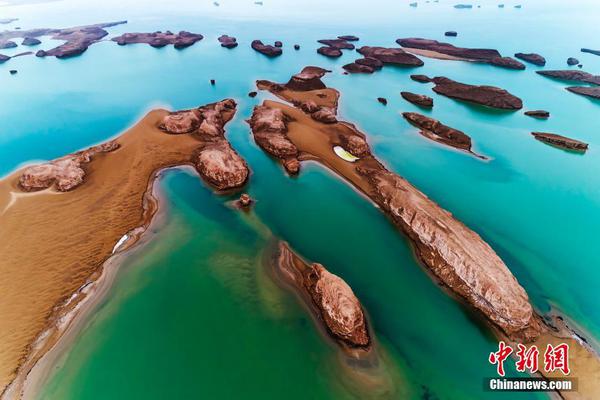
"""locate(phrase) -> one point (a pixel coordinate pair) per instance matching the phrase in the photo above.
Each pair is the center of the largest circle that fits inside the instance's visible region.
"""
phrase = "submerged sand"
(53, 244)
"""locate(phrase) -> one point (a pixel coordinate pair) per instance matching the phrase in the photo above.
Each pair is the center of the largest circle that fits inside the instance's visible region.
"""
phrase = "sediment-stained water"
(192, 315)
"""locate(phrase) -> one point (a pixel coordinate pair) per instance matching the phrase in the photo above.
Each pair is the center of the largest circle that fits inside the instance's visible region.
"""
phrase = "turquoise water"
(536, 205)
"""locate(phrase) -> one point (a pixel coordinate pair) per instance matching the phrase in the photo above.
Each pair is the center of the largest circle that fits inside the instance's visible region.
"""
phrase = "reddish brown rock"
(65, 173)
(532, 58)
(436, 131)
(490, 96)
(418, 99)
(370, 62)
(355, 68)
(420, 78)
(572, 75)
(266, 49)
(228, 42)
(351, 38)
(329, 51)
(330, 298)
(221, 166)
(392, 56)
(309, 106)
(507, 62)
(560, 141)
(324, 115)
(308, 79)
(159, 39)
(593, 92)
(337, 43)
(181, 122)
(269, 128)
(77, 40)
(356, 145)
(245, 201)
(449, 49)
(538, 114)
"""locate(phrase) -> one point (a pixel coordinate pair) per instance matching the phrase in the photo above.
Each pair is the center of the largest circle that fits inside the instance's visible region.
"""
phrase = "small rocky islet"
(560, 141)
(159, 39)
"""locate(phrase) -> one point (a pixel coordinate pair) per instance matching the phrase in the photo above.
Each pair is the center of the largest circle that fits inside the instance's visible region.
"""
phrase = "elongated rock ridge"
(331, 300)
(572, 75)
(489, 96)
(438, 132)
(560, 141)
(593, 92)
(179, 40)
(456, 255)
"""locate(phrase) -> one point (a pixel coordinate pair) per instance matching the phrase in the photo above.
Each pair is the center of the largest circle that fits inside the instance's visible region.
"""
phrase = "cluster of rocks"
(214, 159)
(333, 47)
(267, 49)
(560, 141)
(329, 296)
(374, 58)
(65, 173)
(159, 39)
(228, 42)
(490, 56)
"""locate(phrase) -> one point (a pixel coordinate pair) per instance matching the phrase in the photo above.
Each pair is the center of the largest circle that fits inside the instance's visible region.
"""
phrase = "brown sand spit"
(454, 254)
(53, 243)
(330, 298)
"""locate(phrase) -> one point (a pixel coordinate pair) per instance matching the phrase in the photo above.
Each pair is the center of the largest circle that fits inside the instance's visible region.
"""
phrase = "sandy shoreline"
(55, 243)
(28, 385)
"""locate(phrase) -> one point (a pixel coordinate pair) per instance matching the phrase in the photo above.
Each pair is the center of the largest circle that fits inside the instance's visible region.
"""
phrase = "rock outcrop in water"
(490, 96)
(590, 51)
(9, 44)
(308, 79)
(572, 61)
(572, 75)
(435, 49)
(532, 58)
(438, 132)
(349, 38)
(418, 99)
(4, 58)
(77, 40)
(560, 141)
(266, 49)
(29, 41)
(391, 56)
(457, 256)
(593, 92)
(65, 173)
(331, 300)
(159, 39)
(214, 159)
(333, 47)
(329, 51)
(538, 114)
(420, 78)
(269, 128)
(227, 41)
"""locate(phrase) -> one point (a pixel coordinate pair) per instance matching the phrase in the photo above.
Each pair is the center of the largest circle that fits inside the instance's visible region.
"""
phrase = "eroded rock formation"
(490, 96)
(391, 56)
(593, 92)
(227, 41)
(329, 297)
(65, 173)
(532, 58)
(159, 39)
(560, 141)
(456, 255)
(418, 99)
(329, 51)
(572, 75)
(420, 78)
(449, 49)
(266, 49)
(507, 62)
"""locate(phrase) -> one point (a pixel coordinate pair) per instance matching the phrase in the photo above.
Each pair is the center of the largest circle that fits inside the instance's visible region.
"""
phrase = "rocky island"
(330, 299)
(266, 49)
(489, 96)
(417, 99)
(590, 51)
(592, 92)
(572, 75)
(532, 58)
(538, 113)
(560, 141)
(447, 51)
(103, 194)
(456, 255)
(438, 132)
(159, 39)
(227, 41)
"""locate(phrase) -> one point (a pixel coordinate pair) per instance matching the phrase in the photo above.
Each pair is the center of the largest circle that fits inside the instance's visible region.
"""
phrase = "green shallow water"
(191, 315)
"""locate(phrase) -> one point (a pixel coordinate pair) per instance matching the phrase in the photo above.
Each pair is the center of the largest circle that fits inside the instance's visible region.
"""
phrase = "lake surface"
(194, 315)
